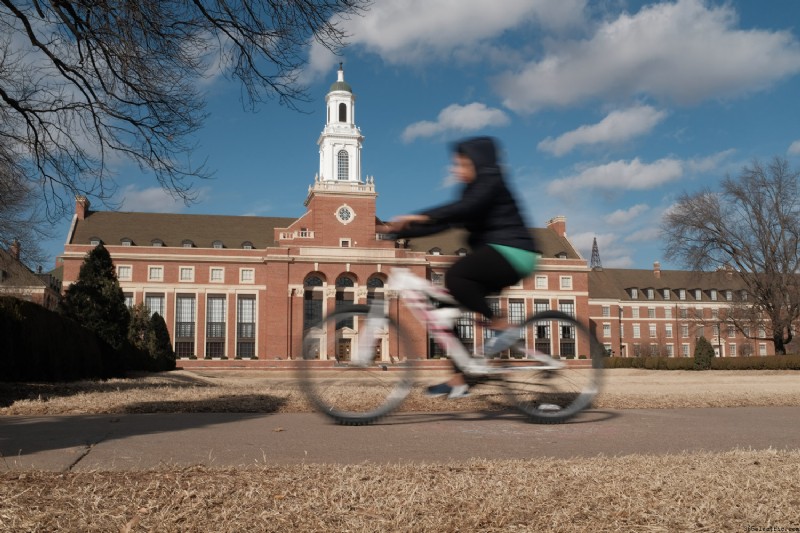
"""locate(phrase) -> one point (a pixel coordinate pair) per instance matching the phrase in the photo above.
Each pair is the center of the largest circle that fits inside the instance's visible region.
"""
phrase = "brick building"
(233, 287)
(18, 281)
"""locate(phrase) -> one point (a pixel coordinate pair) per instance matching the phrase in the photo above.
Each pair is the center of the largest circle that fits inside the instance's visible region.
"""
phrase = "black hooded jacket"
(486, 208)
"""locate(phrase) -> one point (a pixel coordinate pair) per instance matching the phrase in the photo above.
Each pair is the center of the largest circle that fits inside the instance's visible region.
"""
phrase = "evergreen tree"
(159, 345)
(703, 353)
(96, 300)
(139, 326)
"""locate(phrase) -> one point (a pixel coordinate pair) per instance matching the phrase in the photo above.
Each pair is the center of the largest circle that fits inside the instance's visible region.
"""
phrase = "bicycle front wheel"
(551, 389)
(367, 378)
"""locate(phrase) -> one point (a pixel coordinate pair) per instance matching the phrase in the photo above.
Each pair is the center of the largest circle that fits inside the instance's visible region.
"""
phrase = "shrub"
(703, 354)
(159, 345)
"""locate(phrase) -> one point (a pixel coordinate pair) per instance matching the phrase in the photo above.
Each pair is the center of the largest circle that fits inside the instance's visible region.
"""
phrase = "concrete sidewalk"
(127, 442)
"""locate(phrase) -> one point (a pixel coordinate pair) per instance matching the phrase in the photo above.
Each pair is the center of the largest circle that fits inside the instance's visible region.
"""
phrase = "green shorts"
(523, 261)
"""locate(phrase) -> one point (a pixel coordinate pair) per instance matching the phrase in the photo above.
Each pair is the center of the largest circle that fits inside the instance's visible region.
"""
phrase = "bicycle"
(363, 387)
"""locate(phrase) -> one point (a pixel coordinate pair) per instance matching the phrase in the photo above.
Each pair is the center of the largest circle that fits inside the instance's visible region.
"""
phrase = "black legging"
(473, 277)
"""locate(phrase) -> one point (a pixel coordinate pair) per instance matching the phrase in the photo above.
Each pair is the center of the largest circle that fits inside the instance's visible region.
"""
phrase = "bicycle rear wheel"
(551, 390)
(361, 386)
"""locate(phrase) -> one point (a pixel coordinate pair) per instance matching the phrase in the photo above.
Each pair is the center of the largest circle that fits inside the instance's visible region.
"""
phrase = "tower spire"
(595, 262)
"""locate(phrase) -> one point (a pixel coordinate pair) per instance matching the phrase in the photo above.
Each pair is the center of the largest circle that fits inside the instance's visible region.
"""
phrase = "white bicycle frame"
(416, 293)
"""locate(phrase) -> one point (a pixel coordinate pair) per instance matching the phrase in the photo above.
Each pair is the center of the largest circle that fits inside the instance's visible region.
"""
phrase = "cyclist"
(502, 248)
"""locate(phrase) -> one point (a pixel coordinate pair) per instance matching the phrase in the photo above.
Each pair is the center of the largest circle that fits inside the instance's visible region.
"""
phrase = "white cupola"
(340, 141)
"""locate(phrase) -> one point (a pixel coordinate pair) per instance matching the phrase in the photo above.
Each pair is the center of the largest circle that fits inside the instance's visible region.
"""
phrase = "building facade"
(250, 288)
(18, 281)
(234, 287)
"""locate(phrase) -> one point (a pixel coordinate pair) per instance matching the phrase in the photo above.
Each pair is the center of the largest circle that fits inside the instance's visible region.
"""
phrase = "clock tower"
(341, 206)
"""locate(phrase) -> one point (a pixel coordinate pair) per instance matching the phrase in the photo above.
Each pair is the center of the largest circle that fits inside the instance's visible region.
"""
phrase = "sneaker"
(458, 391)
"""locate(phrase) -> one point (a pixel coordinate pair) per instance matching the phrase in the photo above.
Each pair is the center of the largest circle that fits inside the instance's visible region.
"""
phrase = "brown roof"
(615, 283)
(142, 228)
(549, 243)
(15, 274)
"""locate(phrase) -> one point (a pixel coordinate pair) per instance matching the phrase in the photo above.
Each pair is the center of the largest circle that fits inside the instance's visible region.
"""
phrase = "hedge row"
(41, 345)
(37, 344)
(772, 362)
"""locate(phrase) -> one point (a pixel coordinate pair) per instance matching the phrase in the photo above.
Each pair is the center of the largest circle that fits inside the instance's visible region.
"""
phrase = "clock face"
(345, 214)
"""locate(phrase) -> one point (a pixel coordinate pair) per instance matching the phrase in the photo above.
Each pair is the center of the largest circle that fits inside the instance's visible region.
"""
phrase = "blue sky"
(607, 111)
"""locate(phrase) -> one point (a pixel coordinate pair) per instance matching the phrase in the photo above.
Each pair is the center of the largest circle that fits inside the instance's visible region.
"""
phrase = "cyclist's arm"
(475, 200)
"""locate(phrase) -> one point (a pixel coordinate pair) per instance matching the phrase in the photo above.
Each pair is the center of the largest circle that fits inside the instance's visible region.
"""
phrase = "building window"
(247, 245)
(185, 325)
(124, 272)
(713, 295)
(762, 349)
(342, 112)
(650, 294)
(635, 294)
(668, 330)
(187, 243)
(635, 312)
(217, 275)
(437, 278)
(685, 350)
(606, 330)
(744, 296)
(606, 310)
(652, 330)
(247, 275)
(729, 296)
(666, 294)
(670, 350)
(435, 251)
(683, 312)
(731, 350)
(541, 282)
(566, 283)
(128, 299)
(651, 312)
(157, 242)
(667, 312)
(154, 303)
(155, 273)
(246, 327)
(312, 301)
(217, 244)
(95, 241)
(215, 326)
(637, 331)
(343, 165)
(682, 294)
(344, 243)
(186, 274)
(126, 242)
(698, 294)
(731, 331)
(542, 328)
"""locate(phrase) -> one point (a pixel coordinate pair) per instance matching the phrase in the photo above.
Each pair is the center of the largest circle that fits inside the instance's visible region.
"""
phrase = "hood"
(482, 151)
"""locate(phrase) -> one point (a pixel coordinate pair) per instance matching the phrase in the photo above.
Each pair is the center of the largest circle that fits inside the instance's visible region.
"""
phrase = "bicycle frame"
(416, 294)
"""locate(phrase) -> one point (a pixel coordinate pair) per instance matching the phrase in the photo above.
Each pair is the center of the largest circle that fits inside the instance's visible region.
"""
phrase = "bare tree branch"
(82, 82)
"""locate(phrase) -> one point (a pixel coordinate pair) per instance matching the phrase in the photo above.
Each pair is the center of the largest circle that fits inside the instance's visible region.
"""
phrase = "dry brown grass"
(698, 492)
(259, 391)
(688, 492)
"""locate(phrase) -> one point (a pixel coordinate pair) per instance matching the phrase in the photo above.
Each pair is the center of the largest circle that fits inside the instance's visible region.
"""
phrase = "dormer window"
(666, 294)
(157, 242)
(650, 294)
(435, 251)
(635, 294)
(95, 241)
(461, 252)
(698, 294)
(247, 245)
(561, 255)
(217, 244)
(187, 243)
(126, 242)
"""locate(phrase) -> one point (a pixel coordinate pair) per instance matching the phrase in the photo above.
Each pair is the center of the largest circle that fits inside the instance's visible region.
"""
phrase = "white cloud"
(470, 117)
(707, 164)
(618, 126)
(682, 51)
(621, 175)
(410, 31)
(648, 234)
(620, 217)
(153, 200)
(794, 148)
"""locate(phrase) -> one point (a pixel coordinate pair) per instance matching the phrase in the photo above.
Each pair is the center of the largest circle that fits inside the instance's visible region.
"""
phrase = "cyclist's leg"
(473, 277)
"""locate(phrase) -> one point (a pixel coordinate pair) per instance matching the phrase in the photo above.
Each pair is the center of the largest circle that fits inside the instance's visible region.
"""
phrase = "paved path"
(125, 442)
